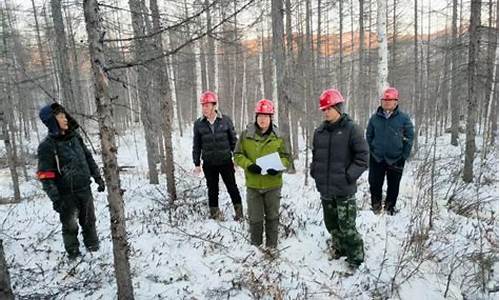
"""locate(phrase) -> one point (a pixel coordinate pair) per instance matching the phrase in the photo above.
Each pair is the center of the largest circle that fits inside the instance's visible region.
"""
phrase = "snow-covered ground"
(178, 253)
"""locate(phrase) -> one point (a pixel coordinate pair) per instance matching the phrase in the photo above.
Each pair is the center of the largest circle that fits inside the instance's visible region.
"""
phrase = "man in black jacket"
(65, 166)
(340, 156)
(214, 139)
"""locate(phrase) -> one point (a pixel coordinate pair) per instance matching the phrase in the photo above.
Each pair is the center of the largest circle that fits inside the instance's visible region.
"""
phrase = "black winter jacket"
(215, 147)
(65, 164)
(340, 156)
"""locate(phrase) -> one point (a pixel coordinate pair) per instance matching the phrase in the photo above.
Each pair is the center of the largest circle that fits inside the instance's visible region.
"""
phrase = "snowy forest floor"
(178, 253)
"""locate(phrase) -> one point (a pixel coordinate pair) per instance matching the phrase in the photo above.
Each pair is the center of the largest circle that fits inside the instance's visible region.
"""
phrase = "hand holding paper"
(270, 161)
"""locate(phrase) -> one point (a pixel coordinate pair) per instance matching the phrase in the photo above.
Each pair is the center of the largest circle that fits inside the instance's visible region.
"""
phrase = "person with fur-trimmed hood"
(65, 166)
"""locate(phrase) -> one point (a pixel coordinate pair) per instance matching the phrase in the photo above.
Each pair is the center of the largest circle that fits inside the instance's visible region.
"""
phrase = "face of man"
(208, 109)
(330, 114)
(388, 105)
(62, 121)
(264, 121)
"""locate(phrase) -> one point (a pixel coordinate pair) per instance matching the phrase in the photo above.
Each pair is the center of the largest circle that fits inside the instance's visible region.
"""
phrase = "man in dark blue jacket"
(390, 138)
(65, 166)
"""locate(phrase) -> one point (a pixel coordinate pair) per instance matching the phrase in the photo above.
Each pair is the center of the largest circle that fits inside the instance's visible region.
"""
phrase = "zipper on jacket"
(328, 163)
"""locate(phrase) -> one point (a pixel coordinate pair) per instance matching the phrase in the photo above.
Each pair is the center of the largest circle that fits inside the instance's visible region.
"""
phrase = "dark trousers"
(227, 173)
(78, 206)
(376, 175)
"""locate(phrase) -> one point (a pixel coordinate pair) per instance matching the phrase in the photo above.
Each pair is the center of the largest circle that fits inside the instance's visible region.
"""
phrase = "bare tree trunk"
(5, 289)
(49, 32)
(78, 93)
(279, 63)
(416, 85)
(382, 45)
(166, 105)
(8, 130)
(493, 128)
(62, 56)
(490, 73)
(40, 50)
(352, 87)
(211, 50)
(455, 106)
(121, 248)
(470, 143)
(362, 86)
(141, 50)
(341, 46)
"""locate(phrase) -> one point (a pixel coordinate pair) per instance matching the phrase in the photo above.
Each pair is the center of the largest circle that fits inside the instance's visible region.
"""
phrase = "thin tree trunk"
(141, 50)
(341, 46)
(382, 45)
(455, 105)
(8, 129)
(211, 50)
(121, 248)
(40, 50)
(62, 56)
(78, 93)
(470, 143)
(5, 288)
(166, 105)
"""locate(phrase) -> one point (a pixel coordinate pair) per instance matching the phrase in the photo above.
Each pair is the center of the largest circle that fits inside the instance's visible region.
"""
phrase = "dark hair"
(57, 109)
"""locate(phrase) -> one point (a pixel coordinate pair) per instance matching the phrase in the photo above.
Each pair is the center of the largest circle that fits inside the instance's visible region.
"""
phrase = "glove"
(272, 172)
(253, 168)
(101, 186)
(58, 205)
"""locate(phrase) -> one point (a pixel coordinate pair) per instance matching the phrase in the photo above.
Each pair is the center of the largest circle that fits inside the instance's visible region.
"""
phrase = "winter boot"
(376, 206)
(74, 254)
(92, 248)
(238, 212)
(390, 211)
(333, 251)
(272, 233)
(256, 230)
(215, 213)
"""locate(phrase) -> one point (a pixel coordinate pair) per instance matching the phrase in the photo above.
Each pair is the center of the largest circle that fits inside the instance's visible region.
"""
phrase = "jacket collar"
(344, 118)
(218, 115)
(252, 131)
(380, 112)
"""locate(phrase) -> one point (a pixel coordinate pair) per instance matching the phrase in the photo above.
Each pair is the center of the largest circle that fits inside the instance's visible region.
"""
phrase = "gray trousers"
(263, 205)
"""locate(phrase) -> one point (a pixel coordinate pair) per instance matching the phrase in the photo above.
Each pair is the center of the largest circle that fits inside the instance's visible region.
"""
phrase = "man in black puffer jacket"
(65, 166)
(340, 156)
(214, 139)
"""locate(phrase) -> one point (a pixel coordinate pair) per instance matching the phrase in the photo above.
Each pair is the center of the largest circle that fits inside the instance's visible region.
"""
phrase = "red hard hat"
(390, 93)
(208, 97)
(264, 106)
(330, 97)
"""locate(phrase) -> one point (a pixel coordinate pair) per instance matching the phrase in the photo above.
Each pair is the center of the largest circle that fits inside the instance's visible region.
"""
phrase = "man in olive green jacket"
(263, 191)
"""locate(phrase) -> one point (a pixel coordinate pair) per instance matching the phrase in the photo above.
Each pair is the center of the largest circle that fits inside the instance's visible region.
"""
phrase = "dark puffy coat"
(390, 139)
(65, 164)
(215, 148)
(340, 156)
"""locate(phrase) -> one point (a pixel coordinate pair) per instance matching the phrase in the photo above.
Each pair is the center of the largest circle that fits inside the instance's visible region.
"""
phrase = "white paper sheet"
(270, 161)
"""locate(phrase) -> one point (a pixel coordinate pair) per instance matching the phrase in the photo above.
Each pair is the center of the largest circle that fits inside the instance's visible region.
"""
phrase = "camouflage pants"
(264, 204)
(78, 206)
(340, 221)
